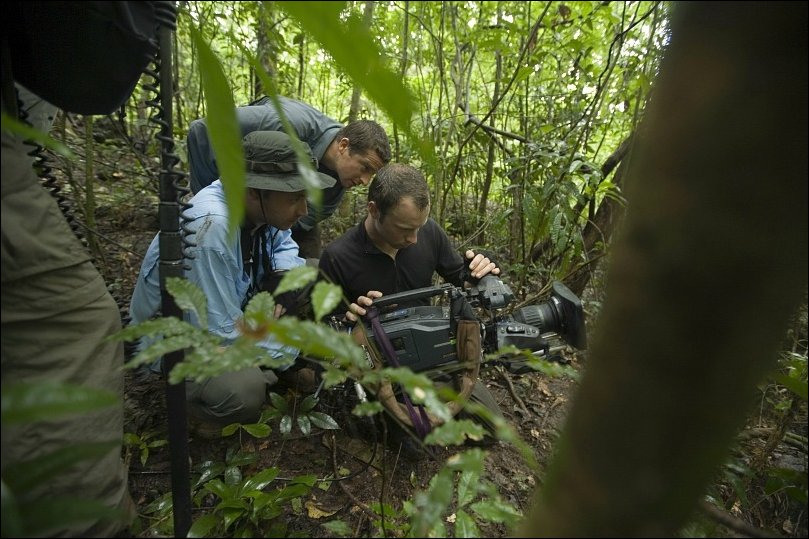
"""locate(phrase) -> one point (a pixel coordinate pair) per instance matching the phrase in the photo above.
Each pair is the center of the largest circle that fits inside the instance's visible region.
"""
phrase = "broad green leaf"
(305, 425)
(316, 339)
(260, 480)
(467, 487)
(309, 480)
(296, 278)
(189, 297)
(496, 511)
(279, 402)
(339, 528)
(798, 387)
(259, 313)
(469, 460)
(323, 421)
(203, 525)
(223, 129)
(285, 427)
(465, 525)
(22, 476)
(308, 403)
(367, 408)
(28, 402)
(161, 347)
(26, 132)
(228, 430)
(257, 430)
(455, 433)
(325, 298)
(166, 327)
(232, 475)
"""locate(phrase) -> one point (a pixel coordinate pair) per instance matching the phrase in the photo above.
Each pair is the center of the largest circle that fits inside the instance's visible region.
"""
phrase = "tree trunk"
(367, 19)
(708, 270)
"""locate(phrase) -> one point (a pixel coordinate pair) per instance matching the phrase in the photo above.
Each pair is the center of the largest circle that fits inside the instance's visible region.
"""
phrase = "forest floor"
(381, 465)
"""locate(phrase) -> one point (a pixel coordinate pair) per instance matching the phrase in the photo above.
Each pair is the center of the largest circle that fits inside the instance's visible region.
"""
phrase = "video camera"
(422, 336)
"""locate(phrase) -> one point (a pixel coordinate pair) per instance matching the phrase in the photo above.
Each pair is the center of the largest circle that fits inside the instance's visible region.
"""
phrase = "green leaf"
(296, 278)
(257, 430)
(203, 525)
(338, 528)
(223, 129)
(367, 408)
(309, 480)
(496, 511)
(189, 297)
(26, 132)
(228, 430)
(798, 387)
(279, 402)
(285, 427)
(325, 298)
(465, 525)
(232, 475)
(305, 425)
(260, 310)
(260, 480)
(455, 433)
(316, 340)
(166, 327)
(159, 348)
(28, 402)
(467, 487)
(308, 403)
(323, 421)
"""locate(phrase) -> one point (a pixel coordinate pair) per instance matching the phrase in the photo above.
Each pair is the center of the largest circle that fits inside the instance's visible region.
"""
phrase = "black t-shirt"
(353, 262)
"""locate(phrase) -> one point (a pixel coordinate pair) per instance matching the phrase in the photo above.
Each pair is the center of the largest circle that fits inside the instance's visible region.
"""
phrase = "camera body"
(422, 336)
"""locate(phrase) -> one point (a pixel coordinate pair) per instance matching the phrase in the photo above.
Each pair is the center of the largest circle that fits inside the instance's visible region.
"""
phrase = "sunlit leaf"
(296, 278)
(323, 421)
(325, 297)
(465, 525)
(189, 297)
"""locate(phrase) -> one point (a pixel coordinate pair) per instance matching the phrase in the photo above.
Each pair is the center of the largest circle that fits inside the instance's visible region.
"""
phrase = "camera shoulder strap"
(421, 423)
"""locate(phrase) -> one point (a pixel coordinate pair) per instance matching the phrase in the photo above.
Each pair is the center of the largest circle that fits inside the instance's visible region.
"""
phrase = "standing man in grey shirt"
(351, 154)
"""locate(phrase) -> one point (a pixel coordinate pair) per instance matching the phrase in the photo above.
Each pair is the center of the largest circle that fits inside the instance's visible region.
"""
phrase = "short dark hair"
(396, 181)
(364, 136)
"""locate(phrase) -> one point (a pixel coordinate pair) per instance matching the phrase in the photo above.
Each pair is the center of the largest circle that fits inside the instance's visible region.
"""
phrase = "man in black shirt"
(397, 247)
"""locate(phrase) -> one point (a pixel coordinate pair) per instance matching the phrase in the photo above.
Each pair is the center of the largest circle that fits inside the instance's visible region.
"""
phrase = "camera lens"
(544, 316)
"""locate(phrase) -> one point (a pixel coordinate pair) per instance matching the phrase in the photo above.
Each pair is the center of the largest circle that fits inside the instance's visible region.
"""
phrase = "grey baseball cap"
(272, 164)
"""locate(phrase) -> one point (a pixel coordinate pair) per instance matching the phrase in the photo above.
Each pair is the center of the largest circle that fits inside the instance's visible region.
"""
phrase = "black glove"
(466, 275)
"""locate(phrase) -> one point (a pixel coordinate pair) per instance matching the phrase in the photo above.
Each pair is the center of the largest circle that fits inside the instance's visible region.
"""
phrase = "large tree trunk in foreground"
(709, 267)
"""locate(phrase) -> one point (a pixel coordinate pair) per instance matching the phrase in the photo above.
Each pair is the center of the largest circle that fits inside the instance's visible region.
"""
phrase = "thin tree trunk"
(367, 19)
(402, 70)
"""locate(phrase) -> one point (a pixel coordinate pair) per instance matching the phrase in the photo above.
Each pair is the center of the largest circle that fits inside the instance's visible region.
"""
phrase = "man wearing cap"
(351, 154)
(229, 268)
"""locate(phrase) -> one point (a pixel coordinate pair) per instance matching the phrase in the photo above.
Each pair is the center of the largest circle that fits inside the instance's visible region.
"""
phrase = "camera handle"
(412, 295)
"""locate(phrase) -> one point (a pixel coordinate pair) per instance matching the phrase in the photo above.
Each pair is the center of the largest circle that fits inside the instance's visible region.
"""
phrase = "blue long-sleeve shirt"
(217, 269)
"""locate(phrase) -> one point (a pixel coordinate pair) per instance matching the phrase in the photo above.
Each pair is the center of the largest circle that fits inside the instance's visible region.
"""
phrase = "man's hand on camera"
(358, 309)
(481, 265)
